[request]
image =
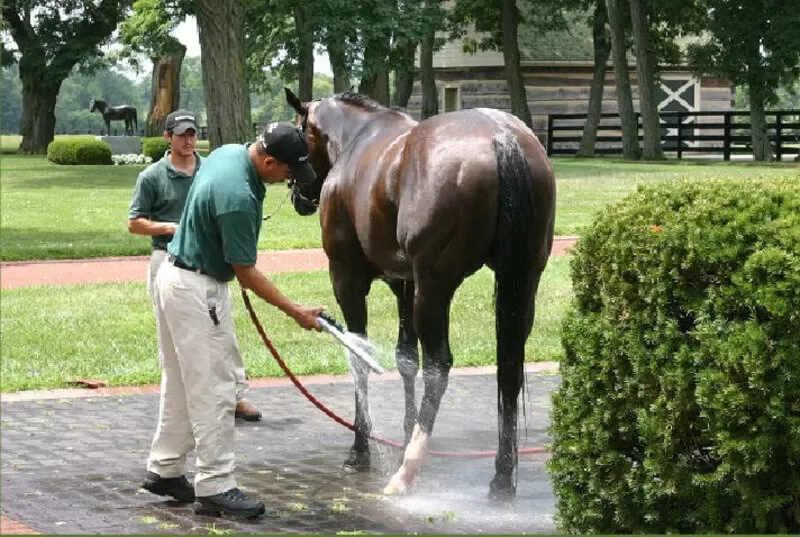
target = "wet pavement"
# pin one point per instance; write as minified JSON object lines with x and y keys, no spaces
{"x":74,"y":465}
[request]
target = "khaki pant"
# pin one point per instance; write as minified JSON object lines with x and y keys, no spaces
{"x":198,"y":385}
{"x":158,"y":257}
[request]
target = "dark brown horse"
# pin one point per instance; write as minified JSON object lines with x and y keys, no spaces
{"x":123,"y":112}
{"x":422,"y":206}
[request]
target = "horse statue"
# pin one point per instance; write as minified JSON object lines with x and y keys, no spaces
{"x":422,"y":206}
{"x":124,"y":113}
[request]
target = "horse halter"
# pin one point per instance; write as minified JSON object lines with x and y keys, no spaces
{"x":299,"y":200}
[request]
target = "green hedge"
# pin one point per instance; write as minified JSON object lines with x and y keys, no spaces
{"x":679,"y":408}
{"x":79,"y":152}
{"x":154,"y":147}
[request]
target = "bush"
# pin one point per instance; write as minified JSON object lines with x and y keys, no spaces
{"x":154,"y":147}
{"x":79,"y":151}
{"x":679,"y":408}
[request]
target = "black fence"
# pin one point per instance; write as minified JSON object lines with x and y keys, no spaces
{"x":202,"y":135}
{"x":700,"y":133}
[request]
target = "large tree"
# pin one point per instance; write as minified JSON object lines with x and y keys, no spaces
{"x":496,"y":25}
{"x":52,"y":37}
{"x":222,"y":54}
{"x":646,"y":69}
{"x":434,"y":17}
{"x":754,"y":43}
{"x":617,"y":22}
{"x":602,"y":50}
{"x":147,"y":31}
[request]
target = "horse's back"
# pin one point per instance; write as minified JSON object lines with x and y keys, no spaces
{"x":450,"y":182}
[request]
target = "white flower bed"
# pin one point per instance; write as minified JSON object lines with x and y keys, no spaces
{"x":131,"y":159}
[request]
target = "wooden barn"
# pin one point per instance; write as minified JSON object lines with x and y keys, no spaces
{"x":557,"y":69}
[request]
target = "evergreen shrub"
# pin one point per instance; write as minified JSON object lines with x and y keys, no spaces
{"x":679,"y":407}
{"x":154,"y":147}
{"x":79,"y":151}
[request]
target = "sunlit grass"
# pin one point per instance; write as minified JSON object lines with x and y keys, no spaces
{"x":52,"y":335}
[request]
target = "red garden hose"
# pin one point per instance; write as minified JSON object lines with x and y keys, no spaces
{"x":325,"y":410}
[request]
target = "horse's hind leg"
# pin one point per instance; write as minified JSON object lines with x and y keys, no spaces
{"x":407,"y":351}
{"x":351,"y":284}
{"x":431,"y":320}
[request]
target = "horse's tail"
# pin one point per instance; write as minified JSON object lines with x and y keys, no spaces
{"x":513,"y":252}
{"x":517,"y":271}
{"x":135,"y":122}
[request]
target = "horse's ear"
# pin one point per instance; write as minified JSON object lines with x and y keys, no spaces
{"x":294,"y":102}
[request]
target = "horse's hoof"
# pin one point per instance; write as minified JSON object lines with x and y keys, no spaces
{"x":502,"y":493}
{"x":358,"y":462}
{"x":396,"y":486}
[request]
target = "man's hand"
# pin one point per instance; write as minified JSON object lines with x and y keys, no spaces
{"x":306,"y":317}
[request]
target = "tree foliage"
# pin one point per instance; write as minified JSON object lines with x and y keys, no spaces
{"x":753,"y":43}
{"x":51,"y":38}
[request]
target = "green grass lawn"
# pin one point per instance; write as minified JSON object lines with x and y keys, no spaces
{"x":56,"y":212}
{"x":51,"y":335}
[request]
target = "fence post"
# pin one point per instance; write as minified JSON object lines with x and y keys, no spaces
{"x":680,"y":134}
{"x":726,"y":141}
{"x":778,"y":127}
{"x":549,"y":140}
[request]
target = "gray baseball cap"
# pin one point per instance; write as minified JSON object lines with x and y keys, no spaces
{"x":180,"y":121}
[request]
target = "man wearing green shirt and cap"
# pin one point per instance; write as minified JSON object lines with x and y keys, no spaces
{"x":215,"y":242}
{"x":156,"y":207}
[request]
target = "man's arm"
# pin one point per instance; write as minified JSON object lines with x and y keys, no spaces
{"x":251,"y":278}
{"x":145,"y":226}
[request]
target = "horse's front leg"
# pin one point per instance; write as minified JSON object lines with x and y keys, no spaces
{"x":432,"y":323}
{"x":351,"y":284}
{"x":407,"y":351}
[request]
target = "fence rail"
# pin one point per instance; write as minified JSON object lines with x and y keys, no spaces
{"x":201,"y":135}
{"x":703,"y":133}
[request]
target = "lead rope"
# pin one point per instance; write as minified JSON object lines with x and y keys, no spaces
{"x":325,"y":410}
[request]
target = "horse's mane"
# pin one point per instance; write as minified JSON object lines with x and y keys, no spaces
{"x":367,"y":103}
{"x":357,"y":99}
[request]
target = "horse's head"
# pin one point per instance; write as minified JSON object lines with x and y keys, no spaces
{"x":305,"y":197}
{"x":92,"y":105}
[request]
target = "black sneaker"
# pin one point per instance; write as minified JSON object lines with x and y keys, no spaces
{"x":177,"y":487}
{"x":232,"y":502}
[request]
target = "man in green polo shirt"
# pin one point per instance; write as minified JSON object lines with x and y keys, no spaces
{"x":156,"y":207}
{"x":215,"y":242}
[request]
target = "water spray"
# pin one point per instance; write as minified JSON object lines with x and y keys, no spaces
{"x":356,"y":344}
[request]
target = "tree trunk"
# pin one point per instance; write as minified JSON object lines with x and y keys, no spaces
{"x":762,"y":150}
{"x":165,"y":90}
{"x":38,"y":123}
{"x":338,"y":58}
{"x":404,"y":73}
{"x":305,"y":57}
{"x":516,"y":84}
{"x":375,"y":79}
{"x":602,"y":50}
{"x":427,"y":77}
{"x":646,"y":80}
{"x":221,"y":25}
{"x":630,"y":126}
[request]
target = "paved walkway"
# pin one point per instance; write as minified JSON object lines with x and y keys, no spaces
{"x":124,"y":269}
{"x":72,"y":459}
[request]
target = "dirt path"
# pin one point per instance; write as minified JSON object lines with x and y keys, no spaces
{"x":129,"y":269}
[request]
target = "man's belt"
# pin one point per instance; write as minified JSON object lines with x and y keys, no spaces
{"x":181,"y":265}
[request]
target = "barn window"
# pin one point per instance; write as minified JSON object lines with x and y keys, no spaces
{"x":452,"y":99}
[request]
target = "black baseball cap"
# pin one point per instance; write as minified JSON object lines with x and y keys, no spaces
{"x":289,"y":145}
{"x":180,"y":121}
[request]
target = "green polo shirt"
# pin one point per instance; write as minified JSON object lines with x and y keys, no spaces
{"x":223,"y":214}
{"x":160,"y":194}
